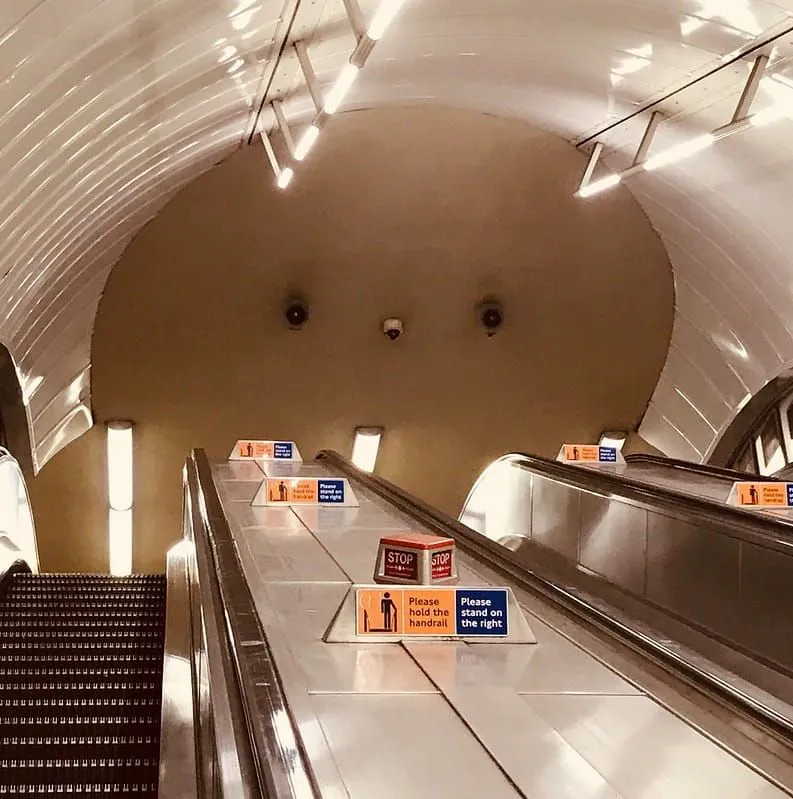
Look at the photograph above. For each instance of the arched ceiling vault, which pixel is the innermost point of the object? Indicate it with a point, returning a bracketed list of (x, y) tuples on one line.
[(111, 106)]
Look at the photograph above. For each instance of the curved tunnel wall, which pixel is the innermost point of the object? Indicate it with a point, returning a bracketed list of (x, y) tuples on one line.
[(394, 218)]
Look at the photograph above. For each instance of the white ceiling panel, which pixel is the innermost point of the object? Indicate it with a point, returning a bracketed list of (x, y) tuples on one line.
[(111, 106)]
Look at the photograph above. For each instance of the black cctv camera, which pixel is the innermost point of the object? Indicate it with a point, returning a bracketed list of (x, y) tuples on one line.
[(491, 316), (296, 313), (393, 328)]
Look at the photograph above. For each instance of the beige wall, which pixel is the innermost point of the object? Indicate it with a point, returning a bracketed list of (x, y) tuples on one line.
[(414, 212)]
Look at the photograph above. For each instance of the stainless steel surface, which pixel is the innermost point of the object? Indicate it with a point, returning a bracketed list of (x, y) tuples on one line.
[(693, 557), (262, 749), (17, 528), (225, 759), (447, 719), (178, 773), (702, 481)]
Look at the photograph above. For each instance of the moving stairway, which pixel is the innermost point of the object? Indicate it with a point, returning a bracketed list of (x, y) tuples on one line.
[(81, 660)]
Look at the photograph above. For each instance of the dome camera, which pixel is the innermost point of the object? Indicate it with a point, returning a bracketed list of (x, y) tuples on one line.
[(491, 316), (296, 313), (393, 329)]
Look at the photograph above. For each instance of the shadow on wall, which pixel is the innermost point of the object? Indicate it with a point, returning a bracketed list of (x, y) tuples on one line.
[(392, 216), (14, 429)]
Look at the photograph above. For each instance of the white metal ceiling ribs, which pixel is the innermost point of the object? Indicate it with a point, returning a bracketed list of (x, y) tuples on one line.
[(110, 106)]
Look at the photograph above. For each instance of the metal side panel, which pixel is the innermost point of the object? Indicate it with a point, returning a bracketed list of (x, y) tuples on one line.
[(178, 776), (645, 752), (399, 746)]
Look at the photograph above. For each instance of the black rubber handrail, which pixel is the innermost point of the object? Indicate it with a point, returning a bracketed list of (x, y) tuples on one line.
[(505, 562), (704, 469)]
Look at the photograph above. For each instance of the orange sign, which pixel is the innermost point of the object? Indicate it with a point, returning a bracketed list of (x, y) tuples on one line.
[(255, 449), (405, 611), (291, 491), (768, 495), (583, 453)]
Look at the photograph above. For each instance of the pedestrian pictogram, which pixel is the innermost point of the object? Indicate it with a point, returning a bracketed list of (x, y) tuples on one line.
[(441, 612), (761, 495), (257, 449), (588, 453), (378, 613), (326, 491)]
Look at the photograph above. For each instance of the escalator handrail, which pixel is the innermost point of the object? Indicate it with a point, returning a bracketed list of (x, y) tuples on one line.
[(280, 762), (772, 532), (505, 561), (705, 469)]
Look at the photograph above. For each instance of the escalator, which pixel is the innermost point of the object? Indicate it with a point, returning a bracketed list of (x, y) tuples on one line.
[(81, 661)]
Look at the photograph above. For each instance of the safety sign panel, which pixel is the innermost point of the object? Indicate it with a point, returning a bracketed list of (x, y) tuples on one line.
[(589, 453), (305, 491), (464, 612), (762, 495), (265, 450), (401, 564), (442, 564)]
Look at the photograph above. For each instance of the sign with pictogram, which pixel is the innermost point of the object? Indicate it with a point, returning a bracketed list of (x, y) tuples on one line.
[(327, 491), (257, 449), (589, 454), (428, 611), (761, 495)]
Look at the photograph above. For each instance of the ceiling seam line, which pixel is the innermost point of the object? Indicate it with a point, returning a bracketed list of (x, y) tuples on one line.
[(271, 78), (741, 56)]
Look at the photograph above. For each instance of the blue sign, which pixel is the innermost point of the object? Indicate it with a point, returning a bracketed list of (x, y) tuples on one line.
[(607, 454), (330, 492), (790, 494), (482, 611), (282, 450)]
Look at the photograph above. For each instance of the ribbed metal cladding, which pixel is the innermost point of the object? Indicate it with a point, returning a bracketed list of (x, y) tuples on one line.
[(80, 684)]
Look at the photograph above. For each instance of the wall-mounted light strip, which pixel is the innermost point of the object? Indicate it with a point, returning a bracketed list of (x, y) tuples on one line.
[(382, 18), (365, 447), (680, 152), (741, 120), (120, 496)]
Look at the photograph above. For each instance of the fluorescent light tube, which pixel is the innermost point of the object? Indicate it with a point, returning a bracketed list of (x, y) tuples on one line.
[(337, 94), (307, 141), (599, 185), (365, 448), (383, 17), (679, 152), (285, 177), (120, 542), (119, 465)]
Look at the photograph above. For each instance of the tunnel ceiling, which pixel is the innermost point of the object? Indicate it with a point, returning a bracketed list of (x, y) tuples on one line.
[(110, 107)]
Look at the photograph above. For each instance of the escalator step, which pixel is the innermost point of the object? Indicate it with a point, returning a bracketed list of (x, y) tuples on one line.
[(80, 685)]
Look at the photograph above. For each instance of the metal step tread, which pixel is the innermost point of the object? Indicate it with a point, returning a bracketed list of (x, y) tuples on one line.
[(80, 684)]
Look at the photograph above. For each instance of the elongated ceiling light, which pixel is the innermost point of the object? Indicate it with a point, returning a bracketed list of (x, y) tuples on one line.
[(680, 152), (334, 97), (340, 88), (120, 496), (741, 120), (365, 447)]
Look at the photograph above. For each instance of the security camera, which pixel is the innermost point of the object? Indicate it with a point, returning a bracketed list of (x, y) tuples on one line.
[(393, 328), (296, 313), (491, 316)]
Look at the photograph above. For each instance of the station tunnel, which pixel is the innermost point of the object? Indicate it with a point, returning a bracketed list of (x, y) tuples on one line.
[(609, 181)]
